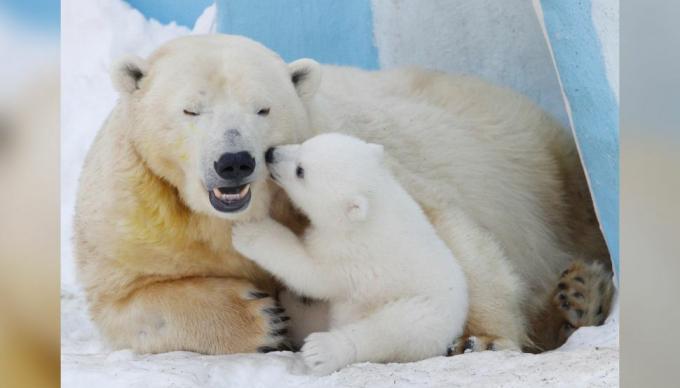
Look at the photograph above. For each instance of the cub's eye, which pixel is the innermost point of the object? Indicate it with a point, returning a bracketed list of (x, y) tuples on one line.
[(300, 172), (263, 112), (190, 112)]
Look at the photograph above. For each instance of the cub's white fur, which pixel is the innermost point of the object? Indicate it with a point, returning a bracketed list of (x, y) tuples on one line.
[(396, 292)]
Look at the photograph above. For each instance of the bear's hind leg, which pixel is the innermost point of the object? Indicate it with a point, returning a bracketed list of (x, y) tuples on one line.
[(582, 297)]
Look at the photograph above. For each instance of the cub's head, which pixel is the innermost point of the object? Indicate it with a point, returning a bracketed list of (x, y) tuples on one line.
[(332, 178), (202, 110)]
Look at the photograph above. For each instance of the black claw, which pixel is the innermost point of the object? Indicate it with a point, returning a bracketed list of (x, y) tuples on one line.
[(265, 349), (274, 310), (258, 295), (469, 345), (279, 332), (491, 346), (280, 319), (449, 351), (285, 347)]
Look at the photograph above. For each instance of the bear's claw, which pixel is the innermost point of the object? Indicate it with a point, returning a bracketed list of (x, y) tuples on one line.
[(273, 320), (583, 296), (472, 343)]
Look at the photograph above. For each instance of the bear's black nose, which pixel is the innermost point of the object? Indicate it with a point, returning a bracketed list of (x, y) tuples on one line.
[(235, 165), (269, 155)]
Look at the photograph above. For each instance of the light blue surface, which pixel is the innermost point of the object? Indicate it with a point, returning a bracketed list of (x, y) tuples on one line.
[(595, 111), (329, 31), (500, 41), (42, 14), (183, 12)]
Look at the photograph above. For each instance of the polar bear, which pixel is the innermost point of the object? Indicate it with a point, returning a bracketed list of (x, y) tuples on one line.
[(181, 157), (396, 292)]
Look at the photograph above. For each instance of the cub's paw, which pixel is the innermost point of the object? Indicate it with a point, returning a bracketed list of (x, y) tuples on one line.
[(327, 352), (478, 343), (583, 295), (256, 238), (244, 236), (271, 318)]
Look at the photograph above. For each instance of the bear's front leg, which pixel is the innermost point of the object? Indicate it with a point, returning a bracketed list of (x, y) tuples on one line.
[(208, 315), (496, 319), (278, 250)]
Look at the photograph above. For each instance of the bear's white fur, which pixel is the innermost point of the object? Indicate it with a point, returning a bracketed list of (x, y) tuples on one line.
[(498, 179), (396, 292)]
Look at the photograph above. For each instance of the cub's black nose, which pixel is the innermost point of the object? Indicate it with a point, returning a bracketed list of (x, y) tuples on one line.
[(235, 165), (269, 155)]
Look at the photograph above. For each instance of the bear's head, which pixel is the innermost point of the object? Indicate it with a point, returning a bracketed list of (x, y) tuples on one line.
[(332, 178), (201, 111)]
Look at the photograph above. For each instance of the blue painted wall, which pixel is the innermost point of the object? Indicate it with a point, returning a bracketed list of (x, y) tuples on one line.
[(183, 12), (330, 31), (595, 111), (43, 14)]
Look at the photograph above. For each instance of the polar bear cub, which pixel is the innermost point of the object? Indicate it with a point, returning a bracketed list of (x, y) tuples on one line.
[(396, 292)]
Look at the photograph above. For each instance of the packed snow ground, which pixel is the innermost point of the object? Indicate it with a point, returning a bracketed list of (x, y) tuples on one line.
[(94, 34)]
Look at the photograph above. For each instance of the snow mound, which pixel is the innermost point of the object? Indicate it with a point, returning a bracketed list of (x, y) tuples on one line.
[(87, 362)]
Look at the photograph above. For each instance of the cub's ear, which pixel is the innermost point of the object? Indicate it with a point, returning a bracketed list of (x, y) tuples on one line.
[(357, 208), (306, 76), (378, 150), (127, 73)]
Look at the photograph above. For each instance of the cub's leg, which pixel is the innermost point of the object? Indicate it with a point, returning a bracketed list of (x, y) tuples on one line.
[(202, 314), (583, 297), (496, 319), (401, 331)]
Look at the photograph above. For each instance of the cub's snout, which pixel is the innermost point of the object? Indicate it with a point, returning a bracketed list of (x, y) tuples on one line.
[(269, 155)]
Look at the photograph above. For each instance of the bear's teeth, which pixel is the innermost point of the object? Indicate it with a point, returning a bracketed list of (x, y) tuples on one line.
[(244, 191), (231, 197)]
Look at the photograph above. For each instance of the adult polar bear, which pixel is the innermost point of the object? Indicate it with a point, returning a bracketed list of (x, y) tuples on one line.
[(181, 157)]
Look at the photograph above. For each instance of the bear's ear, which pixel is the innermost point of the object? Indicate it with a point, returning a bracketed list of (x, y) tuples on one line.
[(378, 150), (357, 208), (306, 76), (127, 73)]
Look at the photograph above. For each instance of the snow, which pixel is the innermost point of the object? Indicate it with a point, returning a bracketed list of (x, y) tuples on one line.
[(94, 34), (590, 358)]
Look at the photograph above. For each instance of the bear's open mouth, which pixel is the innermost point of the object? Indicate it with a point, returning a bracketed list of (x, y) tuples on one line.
[(230, 199)]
